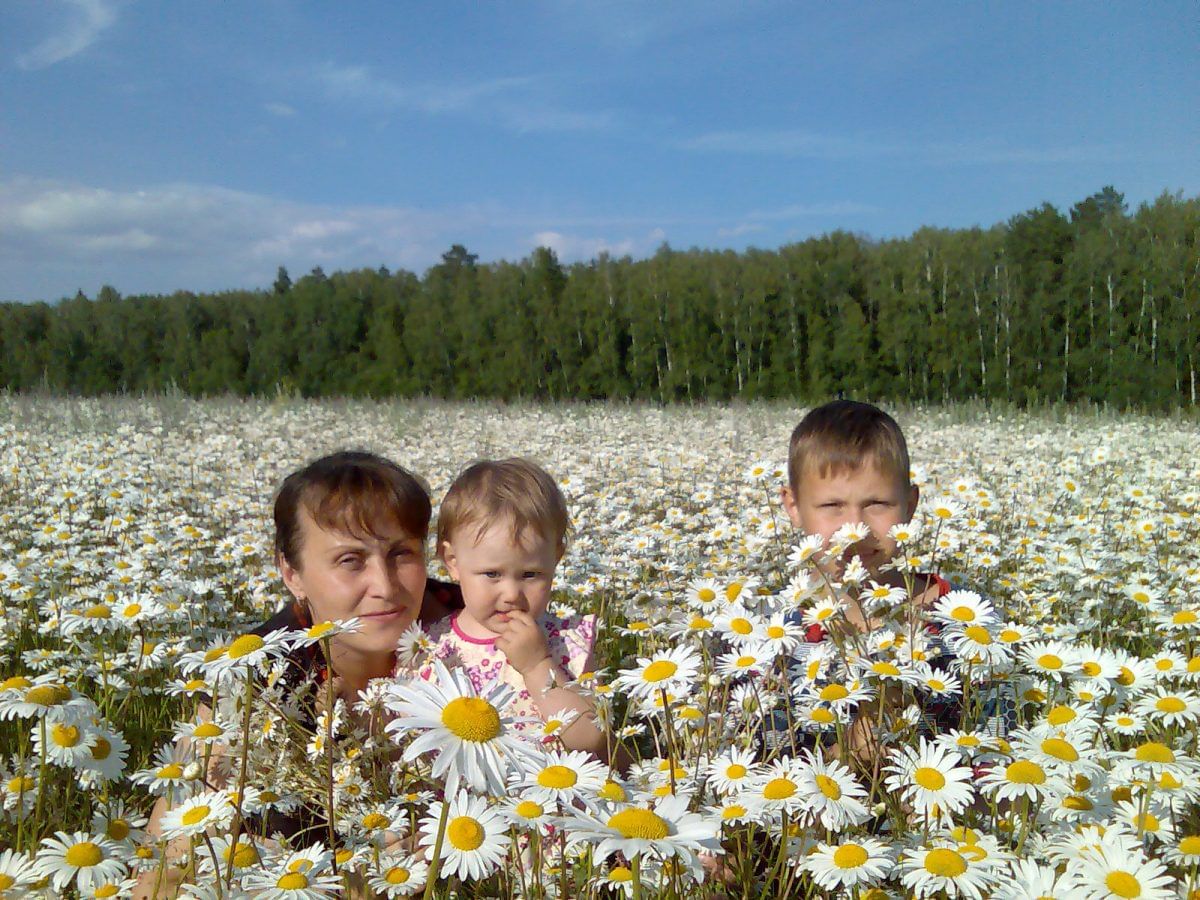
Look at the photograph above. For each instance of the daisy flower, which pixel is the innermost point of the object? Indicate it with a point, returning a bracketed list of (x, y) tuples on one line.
[(564, 777), (928, 778), (399, 876), (662, 830), (197, 814), (963, 608), (248, 653), (1169, 708), (1100, 875), (739, 626), (737, 809), (929, 870), (1049, 659), (732, 771), (834, 797), (322, 631), (80, 858), (475, 842), (301, 875), (748, 660), (778, 788), (474, 742), (1020, 778), (673, 671), (67, 745), (16, 872), (860, 861)]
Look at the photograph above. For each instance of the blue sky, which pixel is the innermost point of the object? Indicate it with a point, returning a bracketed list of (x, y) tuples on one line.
[(156, 146)]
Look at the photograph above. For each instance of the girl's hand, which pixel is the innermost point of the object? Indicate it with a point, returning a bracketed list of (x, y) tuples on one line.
[(523, 642)]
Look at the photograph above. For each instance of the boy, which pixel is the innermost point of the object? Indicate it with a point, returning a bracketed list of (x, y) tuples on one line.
[(501, 532), (848, 463)]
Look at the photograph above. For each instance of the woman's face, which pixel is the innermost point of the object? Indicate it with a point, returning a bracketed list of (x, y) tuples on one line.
[(379, 579)]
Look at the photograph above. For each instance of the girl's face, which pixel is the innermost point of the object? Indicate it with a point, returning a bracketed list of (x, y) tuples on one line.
[(499, 575), (380, 579)]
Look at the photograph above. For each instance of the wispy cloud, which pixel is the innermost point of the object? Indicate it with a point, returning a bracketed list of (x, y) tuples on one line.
[(282, 110), (574, 247), (516, 102), (86, 21), (202, 237), (803, 144)]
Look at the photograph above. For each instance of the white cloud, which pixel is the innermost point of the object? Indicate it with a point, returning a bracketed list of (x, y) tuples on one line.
[(57, 236), (571, 247), (516, 102), (812, 145), (87, 20), (279, 109)]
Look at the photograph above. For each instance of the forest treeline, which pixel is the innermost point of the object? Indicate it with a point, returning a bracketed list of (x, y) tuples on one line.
[(1096, 304)]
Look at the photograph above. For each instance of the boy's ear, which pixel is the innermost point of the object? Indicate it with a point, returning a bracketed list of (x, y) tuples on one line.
[(292, 579), (788, 498), (914, 496)]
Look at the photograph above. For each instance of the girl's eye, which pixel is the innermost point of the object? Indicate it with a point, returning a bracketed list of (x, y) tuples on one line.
[(530, 575), (491, 574)]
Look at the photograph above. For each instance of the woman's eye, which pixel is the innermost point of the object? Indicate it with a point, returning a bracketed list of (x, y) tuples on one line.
[(350, 562)]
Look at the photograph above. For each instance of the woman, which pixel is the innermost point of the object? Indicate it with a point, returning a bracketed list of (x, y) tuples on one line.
[(350, 534)]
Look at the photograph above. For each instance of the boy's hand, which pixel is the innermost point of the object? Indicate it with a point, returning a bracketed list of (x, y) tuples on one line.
[(523, 642)]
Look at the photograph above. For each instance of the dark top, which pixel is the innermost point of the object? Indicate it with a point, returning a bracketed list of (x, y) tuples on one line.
[(306, 825)]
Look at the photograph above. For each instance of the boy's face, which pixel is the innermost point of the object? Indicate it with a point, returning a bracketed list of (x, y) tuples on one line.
[(498, 575), (821, 504)]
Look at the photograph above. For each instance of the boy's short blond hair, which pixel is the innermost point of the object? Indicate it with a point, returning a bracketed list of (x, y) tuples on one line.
[(843, 435), (514, 491)]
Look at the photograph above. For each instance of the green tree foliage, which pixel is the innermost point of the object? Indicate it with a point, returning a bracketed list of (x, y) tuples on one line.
[(1097, 305)]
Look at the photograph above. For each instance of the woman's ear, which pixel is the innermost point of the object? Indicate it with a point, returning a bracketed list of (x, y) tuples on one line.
[(292, 579)]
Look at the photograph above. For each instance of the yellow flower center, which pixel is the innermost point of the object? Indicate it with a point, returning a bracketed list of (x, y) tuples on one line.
[(929, 778), (245, 855), (1010, 635), (1025, 772), (170, 770), (48, 694), (529, 810), (612, 791), (849, 856), (1050, 661), (245, 645), (736, 770), (465, 833), (1190, 845), (215, 653), (1164, 665), (962, 614), (745, 662), (208, 730), (1077, 802), (733, 591), (1060, 749), (21, 784), (397, 875), (829, 787), (659, 670), (84, 855), (107, 890), (1061, 715), (1170, 705), (885, 668), (117, 830), (292, 881), (776, 632), (195, 814), (706, 595), (6, 881), (320, 630), (374, 821), (1091, 669), (935, 684), (945, 863), (833, 692), (1123, 884), (65, 735), (779, 789), (99, 611), (132, 610), (641, 824), (733, 811), (1184, 617), (699, 623), (821, 716), (978, 634), (557, 777), (471, 719), (620, 874), (741, 626), (1154, 752), (16, 683)]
